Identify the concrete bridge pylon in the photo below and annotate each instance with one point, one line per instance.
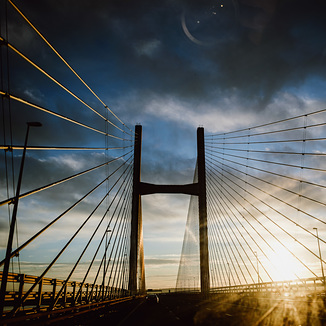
(141, 188)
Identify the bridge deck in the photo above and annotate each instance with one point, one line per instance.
(228, 309)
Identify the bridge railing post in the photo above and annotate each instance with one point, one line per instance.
(21, 278)
(54, 288)
(86, 293)
(74, 284)
(65, 295)
(39, 294)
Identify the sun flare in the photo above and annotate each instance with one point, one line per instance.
(284, 265)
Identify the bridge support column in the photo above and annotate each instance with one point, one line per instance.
(204, 260)
(136, 222)
(141, 188)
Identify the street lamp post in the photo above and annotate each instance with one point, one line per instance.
(321, 260)
(213, 282)
(13, 222)
(257, 268)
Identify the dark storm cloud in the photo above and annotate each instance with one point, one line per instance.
(291, 49)
(269, 47)
(256, 48)
(140, 52)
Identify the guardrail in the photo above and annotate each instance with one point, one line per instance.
(298, 286)
(49, 298)
(304, 286)
(48, 294)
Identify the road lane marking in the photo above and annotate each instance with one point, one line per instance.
(130, 313)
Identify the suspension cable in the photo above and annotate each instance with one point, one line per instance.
(31, 192)
(62, 148)
(103, 236)
(268, 123)
(16, 251)
(89, 241)
(262, 213)
(66, 63)
(30, 104)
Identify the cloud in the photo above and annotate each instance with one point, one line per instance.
(146, 44)
(147, 48)
(33, 96)
(254, 62)
(161, 271)
(217, 113)
(161, 261)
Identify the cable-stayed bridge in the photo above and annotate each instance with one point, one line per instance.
(255, 222)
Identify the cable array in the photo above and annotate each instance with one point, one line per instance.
(266, 201)
(75, 204)
(74, 72)
(189, 266)
(265, 206)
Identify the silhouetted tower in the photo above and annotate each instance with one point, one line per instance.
(136, 219)
(142, 188)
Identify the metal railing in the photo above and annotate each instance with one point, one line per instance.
(299, 286)
(48, 296)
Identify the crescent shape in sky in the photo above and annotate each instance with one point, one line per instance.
(196, 40)
(187, 32)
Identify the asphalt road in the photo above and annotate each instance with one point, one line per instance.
(174, 310)
(171, 310)
(224, 310)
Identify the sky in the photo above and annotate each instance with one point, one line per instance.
(170, 66)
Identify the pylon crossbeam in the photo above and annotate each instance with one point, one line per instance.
(187, 189)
